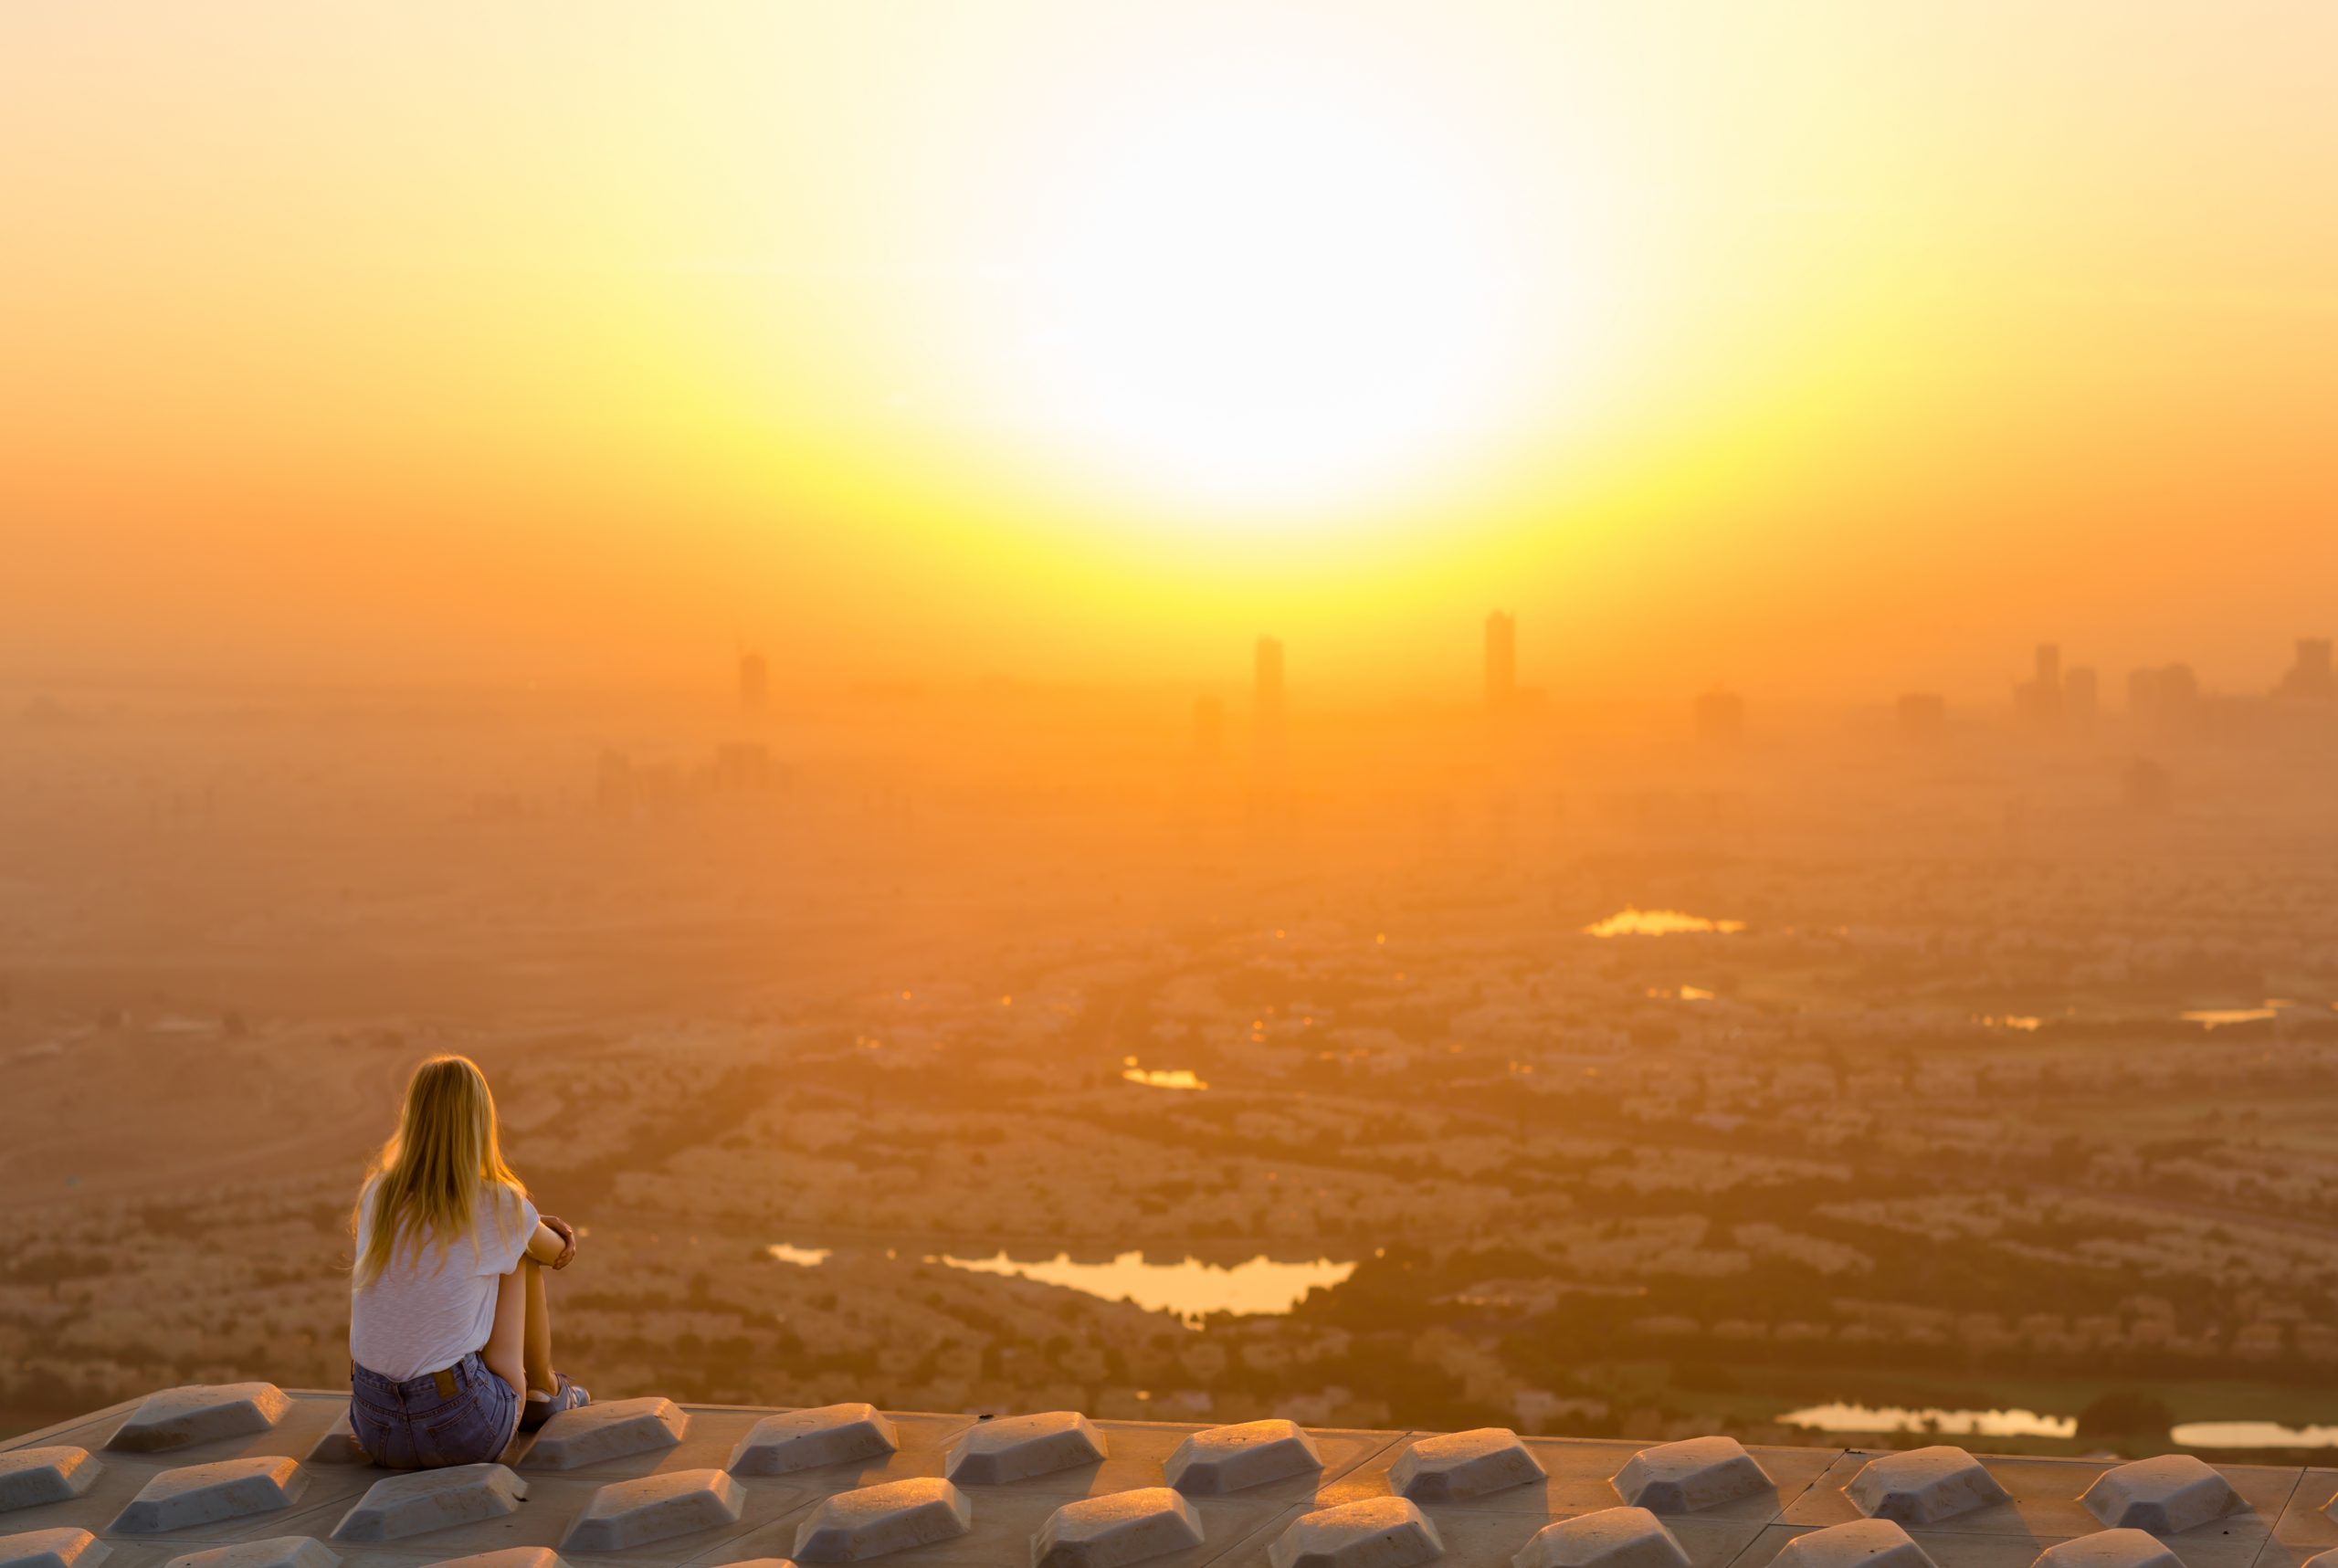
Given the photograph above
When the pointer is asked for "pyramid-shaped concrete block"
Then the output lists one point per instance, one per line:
(1612, 1538)
(2167, 1495)
(2111, 1549)
(1377, 1532)
(1222, 1460)
(613, 1431)
(30, 1477)
(200, 1413)
(337, 1446)
(854, 1526)
(1458, 1466)
(1684, 1477)
(275, 1552)
(509, 1557)
(2324, 1560)
(625, 1514)
(1018, 1448)
(423, 1501)
(807, 1440)
(1117, 1529)
(1861, 1543)
(191, 1495)
(64, 1548)
(1923, 1486)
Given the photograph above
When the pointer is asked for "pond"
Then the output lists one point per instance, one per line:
(2253, 1435)
(1659, 922)
(1189, 1288)
(1949, 1423)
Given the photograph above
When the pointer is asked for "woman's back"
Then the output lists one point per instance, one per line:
(433, 1302)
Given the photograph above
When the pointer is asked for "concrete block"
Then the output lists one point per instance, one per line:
(1612, 1538)
(275, 1552)
(1117, 1529)
(1923, 1486)
(1861, 1543)
(1018, 1448)
(854, 1526)
(625, 1514)
(65, 1548)
(421, 1501)
(806, 1439)
(611, 1431)
(509, 1557)
(199, 1413)
(2166, 1494)
(191, 1495)
(337, 1446)
(30, 1477)
(1377, 1532)
(1248, 1454)
(2110, 1549)
(1693, 1474)
(1457, 1466)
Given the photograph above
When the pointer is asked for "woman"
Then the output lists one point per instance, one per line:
(450, 1334)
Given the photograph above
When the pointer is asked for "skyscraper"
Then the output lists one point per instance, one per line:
(2039, 699)
(1267, 695)
(1501, 660)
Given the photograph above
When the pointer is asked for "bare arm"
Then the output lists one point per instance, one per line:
(553, 1245)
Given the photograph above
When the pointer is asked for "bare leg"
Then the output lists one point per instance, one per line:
(536, 1353)
(506, 1342)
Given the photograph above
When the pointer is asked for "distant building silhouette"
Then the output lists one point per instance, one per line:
(2168, 694)
(1501, 660)
(2081, 694)
(1922, 714)
(1209, 729)
(741, 767)
(1720, 719)
(2039, 699)
(1266, 704)
(755, 682)
(2310, 679)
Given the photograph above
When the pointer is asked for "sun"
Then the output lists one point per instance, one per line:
(1270, 294)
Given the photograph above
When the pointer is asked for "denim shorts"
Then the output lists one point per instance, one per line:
(463, 1416)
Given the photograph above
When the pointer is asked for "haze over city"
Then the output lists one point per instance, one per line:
(1614, 722)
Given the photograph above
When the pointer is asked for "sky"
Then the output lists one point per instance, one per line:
(1821, 349)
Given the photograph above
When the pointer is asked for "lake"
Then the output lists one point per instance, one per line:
(1659, 922)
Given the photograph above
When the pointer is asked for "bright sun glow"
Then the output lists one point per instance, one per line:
(1273, 293)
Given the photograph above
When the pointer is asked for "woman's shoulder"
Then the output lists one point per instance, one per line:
(505, 1203)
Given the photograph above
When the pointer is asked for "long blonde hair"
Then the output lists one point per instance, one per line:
(427, 1180)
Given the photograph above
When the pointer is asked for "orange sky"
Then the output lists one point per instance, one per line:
(1824, 348)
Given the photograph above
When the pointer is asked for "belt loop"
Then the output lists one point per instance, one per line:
(445, 1378)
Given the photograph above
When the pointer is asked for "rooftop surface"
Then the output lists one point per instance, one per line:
(249, 1476)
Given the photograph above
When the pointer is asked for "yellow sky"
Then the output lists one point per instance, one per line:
(1826, 348)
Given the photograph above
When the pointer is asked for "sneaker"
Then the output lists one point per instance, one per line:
(542, 1407)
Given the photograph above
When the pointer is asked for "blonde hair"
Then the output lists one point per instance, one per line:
(428, 1179)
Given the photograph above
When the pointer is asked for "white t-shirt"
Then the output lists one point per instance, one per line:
(431, 1307)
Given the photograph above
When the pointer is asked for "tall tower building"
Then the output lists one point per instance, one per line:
(755, 682)
(1267, 695)
(1501, 660)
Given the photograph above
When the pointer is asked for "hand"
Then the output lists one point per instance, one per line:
(567, 1233)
